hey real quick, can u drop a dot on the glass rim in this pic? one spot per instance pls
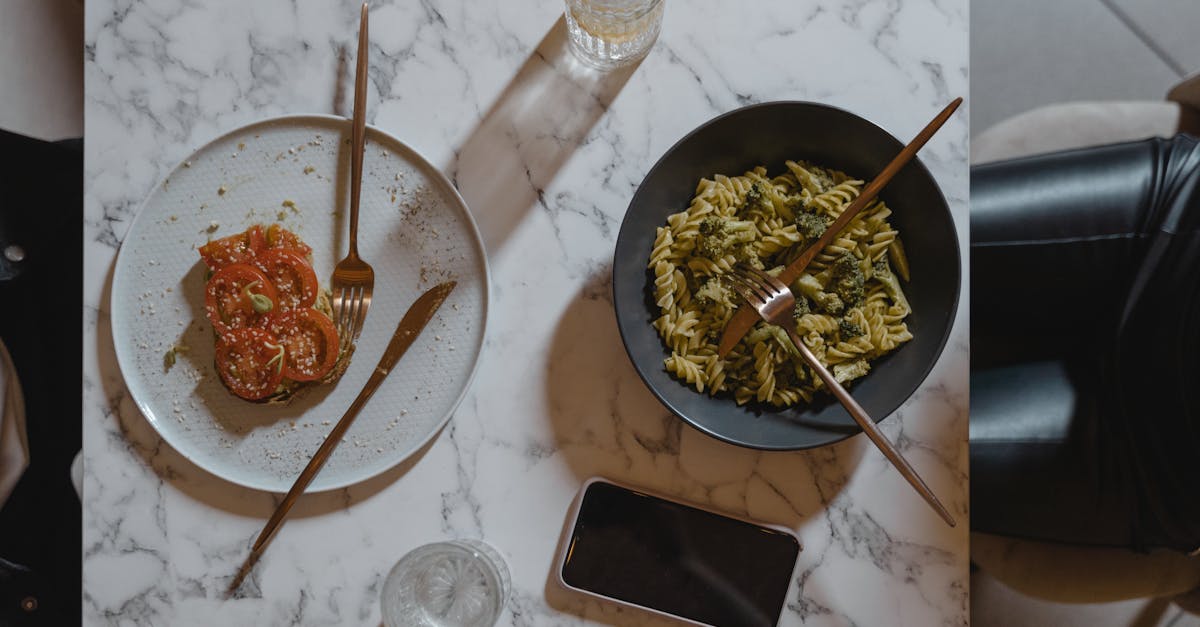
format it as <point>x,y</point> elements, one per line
<point>458,545</point>
<point>653,4</point>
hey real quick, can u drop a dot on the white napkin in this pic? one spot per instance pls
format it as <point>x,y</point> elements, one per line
<point>14,446</point>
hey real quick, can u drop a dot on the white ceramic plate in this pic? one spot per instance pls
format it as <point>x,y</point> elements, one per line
<point>414,229</point>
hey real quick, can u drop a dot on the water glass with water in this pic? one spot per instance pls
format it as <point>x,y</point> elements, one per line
<point>460,583</point>
<point>606,34</point>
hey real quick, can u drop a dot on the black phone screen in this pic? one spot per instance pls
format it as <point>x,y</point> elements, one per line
<point>678,559</point>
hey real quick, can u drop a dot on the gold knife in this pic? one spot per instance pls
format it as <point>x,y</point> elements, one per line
<point>415,319</point>
<point>745,317</point>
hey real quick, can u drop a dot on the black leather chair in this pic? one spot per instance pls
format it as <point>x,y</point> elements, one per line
<point>1059,487</point>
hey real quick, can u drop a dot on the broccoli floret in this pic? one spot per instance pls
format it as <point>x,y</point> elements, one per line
<point>714,291</point>
<point>719,236</point>
<point>846,280</point>
<point>823,179</point>
<point>756,200</point>
<point>768,333</point>
<point>711,224</point>
<point>880,267</point>
<point>808,285</point>
<point>849,330</point>
<point>827,302</point>
<point>802,308</point>
<point>830,303</point>
<point>753,195</point>
<point>760,333</point>
<point>748,253</point>
<point>850,370</point>
<point>891,283</point>
<point>811,226</point>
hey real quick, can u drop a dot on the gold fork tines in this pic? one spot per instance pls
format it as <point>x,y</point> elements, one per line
<point>351,301</point>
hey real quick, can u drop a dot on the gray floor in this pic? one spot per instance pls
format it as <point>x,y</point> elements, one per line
<point>1029,53</point>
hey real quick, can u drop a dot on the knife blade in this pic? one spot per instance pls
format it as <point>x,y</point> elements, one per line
<point>414,320</point>
<point>745,316</point>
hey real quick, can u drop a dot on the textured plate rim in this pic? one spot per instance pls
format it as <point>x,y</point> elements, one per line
<point>457,203</point>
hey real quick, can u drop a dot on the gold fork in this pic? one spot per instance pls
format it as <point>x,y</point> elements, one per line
<point>353,278</point>
<point>774,303</point>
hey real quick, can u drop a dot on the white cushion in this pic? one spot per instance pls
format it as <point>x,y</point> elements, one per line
<point>1074,125</point>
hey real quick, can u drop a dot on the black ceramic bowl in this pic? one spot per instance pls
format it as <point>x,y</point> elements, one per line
<point>769,134</point>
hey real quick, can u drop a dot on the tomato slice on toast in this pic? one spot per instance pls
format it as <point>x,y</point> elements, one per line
<point>279,237</point>
<point>290,273</point>
<point>250,362</point>
<point>229,297</point>
<point>309,339</point>
<point>238,248</point>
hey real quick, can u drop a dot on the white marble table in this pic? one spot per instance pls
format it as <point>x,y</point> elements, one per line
<point>548,155</point>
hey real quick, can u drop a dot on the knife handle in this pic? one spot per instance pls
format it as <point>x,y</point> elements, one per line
<point>319,458</point>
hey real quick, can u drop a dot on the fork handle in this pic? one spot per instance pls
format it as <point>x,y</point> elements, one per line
<point>359,130</point>
<point>870,428</point>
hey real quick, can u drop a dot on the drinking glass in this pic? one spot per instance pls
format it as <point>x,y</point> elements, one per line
<point>460,583</point>
<point>610,33</point>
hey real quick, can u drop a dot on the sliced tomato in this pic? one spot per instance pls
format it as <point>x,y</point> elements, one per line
<point>238,248</point>
<point>250,362</point>
<point>279,237</point>
<point>294,279</point>
<point>309,339</point>
<point>228,298</point>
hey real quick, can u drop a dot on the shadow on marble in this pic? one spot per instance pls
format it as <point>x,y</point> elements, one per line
<point>607,613</point>
<point>341,105</point>
<point>534,126</point>
<point>145,444</point>
<point>606,423</point>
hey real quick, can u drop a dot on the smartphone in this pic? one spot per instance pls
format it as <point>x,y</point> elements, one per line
<point>633,547</point>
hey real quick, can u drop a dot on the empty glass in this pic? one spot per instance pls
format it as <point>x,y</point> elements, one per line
<point>461,583</point>
<point>611,33</point>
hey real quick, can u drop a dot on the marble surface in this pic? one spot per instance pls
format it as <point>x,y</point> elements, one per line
<point>547,154</point>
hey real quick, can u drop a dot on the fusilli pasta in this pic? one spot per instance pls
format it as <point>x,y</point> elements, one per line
<point>850,304</point>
